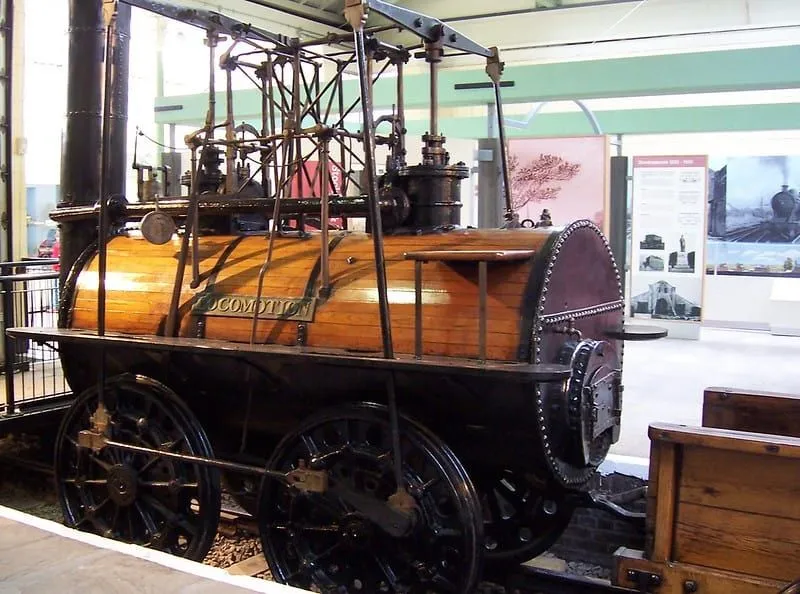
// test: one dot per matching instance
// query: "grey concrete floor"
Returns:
(664, 379)
(38, 556)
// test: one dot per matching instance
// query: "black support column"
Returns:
(81, 162)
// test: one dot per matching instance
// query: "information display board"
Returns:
(668, 229)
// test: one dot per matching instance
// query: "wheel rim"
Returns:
(313, 540)
(521, 522)
(159, 503)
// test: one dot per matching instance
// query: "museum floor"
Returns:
(664, 379)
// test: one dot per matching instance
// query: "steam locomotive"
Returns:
(397, 406)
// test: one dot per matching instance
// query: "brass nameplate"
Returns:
(300, 309)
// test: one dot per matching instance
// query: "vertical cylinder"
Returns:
(80, 173)
(82, 151)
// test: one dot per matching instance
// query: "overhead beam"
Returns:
(278, 16)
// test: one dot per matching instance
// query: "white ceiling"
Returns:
(528, 31)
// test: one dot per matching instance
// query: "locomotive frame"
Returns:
(404, 483)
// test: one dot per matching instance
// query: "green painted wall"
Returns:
(734, 70)
(700, 72)
(736, 118)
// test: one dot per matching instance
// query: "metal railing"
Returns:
(33, 374)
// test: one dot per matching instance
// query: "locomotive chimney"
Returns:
(81, 160)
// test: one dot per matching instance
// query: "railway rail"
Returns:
(237, 528)
(522, 579)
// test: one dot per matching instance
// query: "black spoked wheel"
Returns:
(161, 503)
(331, 542)
(521, 521)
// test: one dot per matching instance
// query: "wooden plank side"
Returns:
(726, 439)
(741, 482)
(667, 497)
(674, 577)
(761, 546)
(753, 411)
(651, 510)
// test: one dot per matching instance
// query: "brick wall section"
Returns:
(594, 534)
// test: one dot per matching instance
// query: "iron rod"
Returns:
(7, 113)
(171, 323)
(503, 150)
(9, 342)
(276, 214)
(104, 179)
(230, 135)
(324, 218)
(372, 191)
(418, 309)
(222, 464)
(401, 115)
(342, 156)
(263, 73)
(365, 84)
(271, 99)
(482, 298)
(434, 107)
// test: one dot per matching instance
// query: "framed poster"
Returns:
(668, 237)
(754, 216)
(568, 176)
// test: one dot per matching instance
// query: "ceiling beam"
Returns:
(303, 11)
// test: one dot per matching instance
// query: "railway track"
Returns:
(529, 580)
(520, 580)
(239, 530)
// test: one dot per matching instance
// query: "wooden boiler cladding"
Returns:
(141, 275)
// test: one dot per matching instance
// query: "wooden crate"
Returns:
(757, 412)
(723, 511)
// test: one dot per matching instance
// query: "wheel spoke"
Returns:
(115, 517)
(166, 447)
(97, 522)
(169, 485)
(311, 445)
(320, 460)
(511, 494)
(387, 571)
(84, 481)
(172, 518)
(149, 522)
(309, 564)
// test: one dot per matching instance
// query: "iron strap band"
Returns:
(315, 272)
(584, 312)
(198, 322)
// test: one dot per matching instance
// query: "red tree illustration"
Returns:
(535, 180)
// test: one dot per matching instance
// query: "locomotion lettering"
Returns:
(269, 308)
